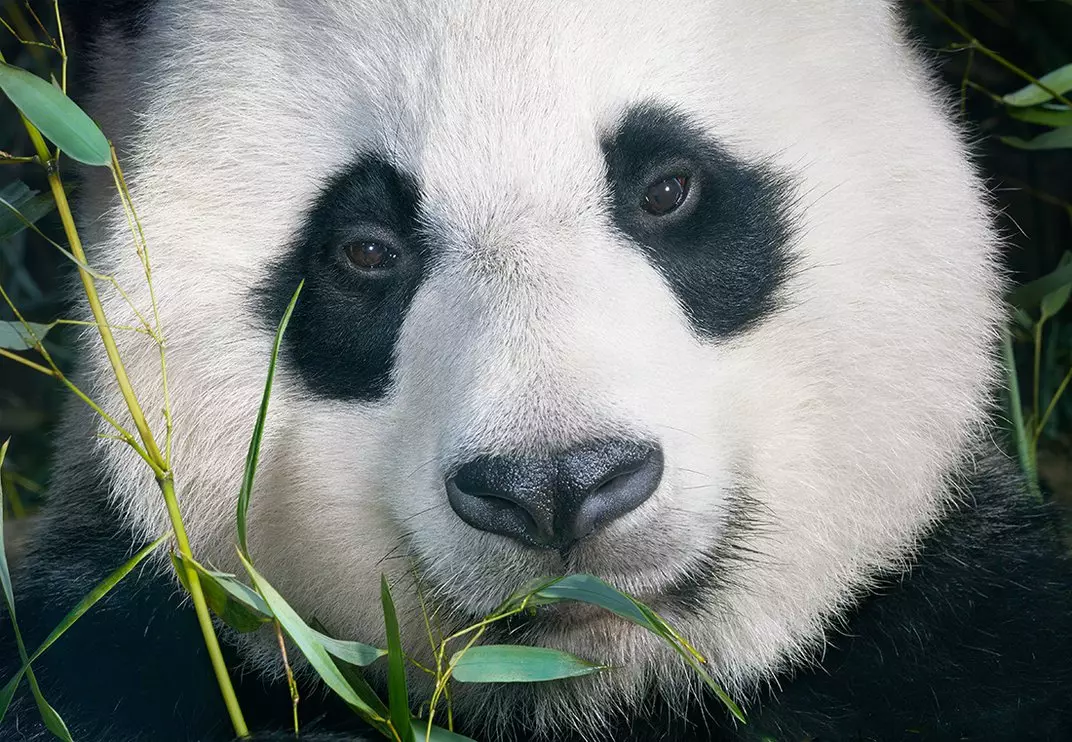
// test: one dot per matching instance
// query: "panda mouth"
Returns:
(691, 590)
(689, 594)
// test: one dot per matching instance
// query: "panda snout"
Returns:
(554, 501)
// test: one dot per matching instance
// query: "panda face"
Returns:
(623, 290)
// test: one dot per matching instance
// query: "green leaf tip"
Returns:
(52, 720)
(1058, 80)
(258, 428)
(397, 694)
(1053, 139)
(17, 336)
(56, 116)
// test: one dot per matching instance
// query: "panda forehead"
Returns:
(452, 90)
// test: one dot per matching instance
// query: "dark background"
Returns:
(1032, 188)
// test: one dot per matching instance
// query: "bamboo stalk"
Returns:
(151, 452)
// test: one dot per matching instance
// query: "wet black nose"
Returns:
(554, 501)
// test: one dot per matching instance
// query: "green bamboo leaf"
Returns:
(8, 692)
(235, 603)
(397, 695)
(20, 204)
(14, 335)
(1053, 302)
(1043, 115)
(31, 212)
(1022, 319)
(509, 663)
(56, 116)
(1059, 81)
(52, 720)
(588, 589)
(300, 633)
(1055, 139)
(351, 652)
(1030, 295)
(258, 427)
(87, 602)
(439, 734)
(94, 596)
(17, 193)
(357, 681)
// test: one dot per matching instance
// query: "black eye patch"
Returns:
(715, 227)
(362, 258)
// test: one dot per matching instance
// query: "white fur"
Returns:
(842, 415)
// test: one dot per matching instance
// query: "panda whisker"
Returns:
(691, 433)
(419, 468)
(430, 508)
(706, 475)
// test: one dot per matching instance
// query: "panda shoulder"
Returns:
(973, 637)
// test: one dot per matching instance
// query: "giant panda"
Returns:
(701, 298)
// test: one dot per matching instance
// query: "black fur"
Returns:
(342, 335)
(129, 16)
(975, 643)
(724, 253)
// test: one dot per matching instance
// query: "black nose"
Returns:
(553, 501)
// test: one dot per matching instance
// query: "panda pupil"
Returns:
(369, 255)
(666, 195)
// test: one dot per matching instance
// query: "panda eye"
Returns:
(370, 255)
(666, 195)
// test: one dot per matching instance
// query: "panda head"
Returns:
(696, 297)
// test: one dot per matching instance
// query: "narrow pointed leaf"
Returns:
(233, 602)
(83, 606)
(1030, 295)
(14, 335)
(397, 695)
(1042, 115)
(19, 205)
(357, 681)
(1059, 81)
(52, 720)
(1053, 302)
(91, 598)
(1055, 139)
(258, 427)
(588, 589)
(8, 692)
(351, 652)
(300, 633)
(57, 117)
(509, 663)
(439, 734)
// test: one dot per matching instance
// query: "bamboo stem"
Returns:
(151, 451)
(75, 242)
(167, 486)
